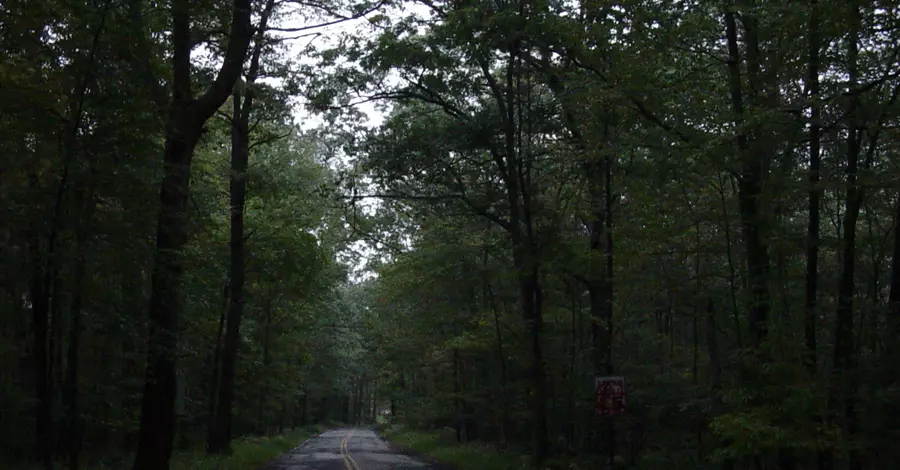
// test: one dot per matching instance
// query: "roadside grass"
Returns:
(248, 453)
(442, 447)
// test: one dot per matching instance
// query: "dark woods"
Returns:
(697, 197)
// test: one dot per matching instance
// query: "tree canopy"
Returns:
(205, 238)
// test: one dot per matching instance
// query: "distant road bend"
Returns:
(346, 449)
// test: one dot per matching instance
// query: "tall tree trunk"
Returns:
(45, 300)
(891, 359)
(240, 154)
(599, 288)
(532, 298)
(304, 399)
(712, 344)
(358, 401)
(598, 172)
(216, 367)
(732, 270)
(238, 189)
(815, 194)
(185, 124)
(157, 428)
(72, 399)
(457, 418)
(751, 178)
(844, 350)
(40, 313)
(892, 339)
(374, 402)
(503, 424)
(57, 375)
(266, 361)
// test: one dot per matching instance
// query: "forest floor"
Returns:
(347, 449)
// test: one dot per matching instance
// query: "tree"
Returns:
(187, 116)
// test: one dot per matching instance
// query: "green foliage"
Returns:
(249, 453)
(592, 145)
(442, 447)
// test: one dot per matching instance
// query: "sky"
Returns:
(326, 37)
(361, 254)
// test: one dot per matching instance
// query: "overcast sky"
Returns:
(361, 253)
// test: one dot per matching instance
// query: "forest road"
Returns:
(346, 449)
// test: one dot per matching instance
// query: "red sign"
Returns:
(610, 395)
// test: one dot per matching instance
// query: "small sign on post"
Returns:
(610, 395)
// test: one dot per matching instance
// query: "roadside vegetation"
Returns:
(441, 446)
(248, 453)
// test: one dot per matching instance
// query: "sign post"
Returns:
(609, 400)
(609, 394)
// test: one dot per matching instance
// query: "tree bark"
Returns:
(40, 314)
(514, 168)
(374, 402)
(712, 344)
(72, 399)
(815, 194)
(844, 350)
(240, 154)
(185, 125)
(216, 366)
(266, 362)
(239, 158)
(892, 340)
(732, 271)
(457, 412)
(751, 177)
(503, 424)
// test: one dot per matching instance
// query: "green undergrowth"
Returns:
(248, 453)
(442, 446)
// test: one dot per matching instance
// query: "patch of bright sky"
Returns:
(360, 255)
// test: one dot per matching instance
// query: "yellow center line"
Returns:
(349, 463)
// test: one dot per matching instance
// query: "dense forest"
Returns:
(231, 218)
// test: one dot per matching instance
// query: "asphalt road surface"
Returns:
(346, 449)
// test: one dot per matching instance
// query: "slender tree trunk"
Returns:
(732, 271)
(892, 339)
(750, 183)
(599, 287)
(57, 375)
(891, 359)
(40, 313)
(238, 191)
(532, 298)
(73, 407)
(844, 349)
(304, 399)
(357, 403)
(815, 194)
(501, 356)
(216, 367)
(457, 419)
(712, 344)
(266, 361)
(374, 402)
(695, 327)
(240, 154)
